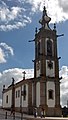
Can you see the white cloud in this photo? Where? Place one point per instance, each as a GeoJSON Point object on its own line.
{"type": "Point", "coordinates": [6, 76]}
{"type": "Point", "coordinates": [12, 14]}
{"type": "Point", "coordinates": [15, 25]}
{"type": "Point", "coordinates": [12, 17]}
{"type": "Point", "coordinates": [64, 85]}
{"type": "Point", "coordinates": [7, 48]}
{"type": "Point", "coordinates": [5, 51]}
{"type": "Point", "coordinates": [2, 56]}
{"type": "Point", "coordinates": [57, 9]}
{"type": "Point", "coordinates": [17, 74]}
{"type": "Point", "coordinates": [7, 14]}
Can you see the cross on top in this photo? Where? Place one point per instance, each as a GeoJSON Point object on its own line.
{"type": "Point", "coordinates": [24, 75]}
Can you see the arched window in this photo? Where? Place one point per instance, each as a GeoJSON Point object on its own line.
{"type": "Point", "coordinates": [49, 47]}
{"type": "Point", "coordinates": [7, 99]}
{"type": "Point", "coordinates": [38, 48]}
{"type": "Point", "coordinates": [24, 91]}
{"type": "Point", "coordinates": [50, 94]}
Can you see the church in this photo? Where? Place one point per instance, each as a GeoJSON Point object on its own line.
{"type": "Point", "coordinates": [42, 91]}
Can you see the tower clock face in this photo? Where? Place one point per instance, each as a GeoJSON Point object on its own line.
{"type": "Point", "coordinates": [50, 65]}
{"type": "Point", "coordinates": [50, 68]}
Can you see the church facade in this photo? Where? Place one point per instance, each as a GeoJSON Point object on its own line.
{"type": "Point", "coordinates": [42, 91]}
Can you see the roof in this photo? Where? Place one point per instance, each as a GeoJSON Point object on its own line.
{"type": "Point", "coordinates": [25, 81]}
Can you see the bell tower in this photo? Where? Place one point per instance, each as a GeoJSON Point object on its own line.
{"type": "Point", "coordinates": [46, 69]}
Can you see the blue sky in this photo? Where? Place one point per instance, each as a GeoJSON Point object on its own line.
{"type": "Point", "coordinates": [18, 20]}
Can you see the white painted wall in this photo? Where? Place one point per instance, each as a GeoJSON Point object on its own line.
{"type": "Point", "coordinates": [17, 100]}
{"type": "Point", "coordinates": [50, 72]}
{"type": "Point", "coordinates": [51, 102]}
{"type": "Point", "coordinates": [38, 68]}
{"type": "Point", "coordinates": [37, 94]}
{"type": "Point", "coordinates": [9, 93]}
{"type": "Point", "coordinates": [38, 73]}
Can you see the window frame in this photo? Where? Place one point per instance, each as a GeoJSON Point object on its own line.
{"type": "Point", "coordinates": [6, 98]}
{"type": "Point", "coordinates": [49, 44]}
{"type": "Point", "coordinates": [52, 46]}
{"type": "Point", "coordinates": [50, 94]}
{"type": "Point", "coordinates": [18, 93]}
{"type": "Point", "coordinates": [24, 91]}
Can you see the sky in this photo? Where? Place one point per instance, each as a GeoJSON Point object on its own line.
{"type": "Point", "coordinates": [18, 20]}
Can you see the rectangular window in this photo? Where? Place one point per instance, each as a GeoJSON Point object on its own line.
{"type": "Point", "coordinates": [18, 93]}
{"type": "Point", "coordinates": [49, 47]}
{"type": "Point", "coordinates": [24, 97]}
{"type": "Point", "coordinates": [50, 94]}
{"type": "Point", "coordinates": [7, 99]}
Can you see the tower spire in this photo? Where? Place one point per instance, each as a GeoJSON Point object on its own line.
{"type": "Point", "coordinates": [45, 18]}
